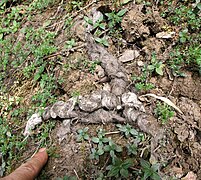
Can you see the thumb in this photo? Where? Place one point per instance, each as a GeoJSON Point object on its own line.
{"type": "Point", "coordinates": [30, 169]}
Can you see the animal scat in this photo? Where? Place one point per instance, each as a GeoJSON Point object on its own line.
{"type": "Point", "coordinates": [131, 114]}
{"type": "Point", "coordinates": [90, 103]}
{"type": "Point", "coordinates": [63, 109]}
{"type": "Point", "coordinates": [102, 116]}
{"type": "Point", "coordinates": [110, 101]}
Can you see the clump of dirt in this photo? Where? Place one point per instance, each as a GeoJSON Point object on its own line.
{"type": "Point", "coordinates": [188, 86]}
{"type": "Point", "coordinates": [139, 25]}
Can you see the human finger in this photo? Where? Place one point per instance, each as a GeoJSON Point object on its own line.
{"type": "Point", "coordinates": [30, 169]}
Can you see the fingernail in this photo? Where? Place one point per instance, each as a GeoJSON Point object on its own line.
{"type": "Point", "coordinates": [42, 149]}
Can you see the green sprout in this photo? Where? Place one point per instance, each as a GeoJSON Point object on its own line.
{"type": "Point", "coordinates": [149, 171]}
{"type": "Point", "coordinates": [127, 130]}
{"type": "Point", "coordinates": [119, 168]}
{"type": "Point", "coordinates": [82, 134]}
{"type": "Point", "coordinates": [163, 112]}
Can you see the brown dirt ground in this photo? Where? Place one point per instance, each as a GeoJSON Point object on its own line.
{"type": "Point", "coordinates": [180, 146]}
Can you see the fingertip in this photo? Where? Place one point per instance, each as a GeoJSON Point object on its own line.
{"type": "Point", "coordinates": [42, 150]}
{"type": "Point", "coordinates": [42, 155]}
{"type": "Point", "coordinates": [31, 168]}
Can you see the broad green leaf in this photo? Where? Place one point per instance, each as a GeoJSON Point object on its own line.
{"type": "Point", "coordinates": [88, 20]}
{"type": "Point", "coordinates": [8, 134]}
{"type": "Point", "coordinates": [127, 133]}
{"type": "Point", "coordinates": [134, 132]}
{"type": "Point", "coordinates": [37, 76]}
{"type": "Point", "coordinates": [101, 18]}
{"type": "Point", "coordinates": [93, 150]}
{"type": "Point", "coordinates": [98, 40]}
{"type": "Point", "coordinates": [112, 154]}
{"type": "Point", "coordinates": [95, 25]}
{"type": "Point", "coordinates": [124, 173]}
{"type": "Point", "coordinates": [105, 42]}
{"type": "Point", "coordinates": [122, 12]}
{"type": "Point", "coordinates": [85, 129]}
{"type": "Point", "coordinates": [145, 164]}
{"type": "Point", "coordinates": [155, 176]}
{"type": "Point", "coordinates": [199, 6]}
{"type": "Point", "coordinates": [41, 69]}
{"type": "Point", "coordinates": [79, 138]}
{"type": "Point", "coordinates": [127, 163]}
{"type": "Point", "coordinates": [102, 26]}
{"type": "Point", "coordinates": [118, 149]}
{"type": "Point", "coordinates": [114, 171]}
{"type": "Point", "coordinates": [105, 140]}
{"type": "Point", "coordinates": [100, 152]}
{"type": "Point", "coordinates": [109, 15]}
{"type": "Point", "coordinates": [123, 128]}
{"type": "Point", "coordinates": [109, 167]}
{"type": "Point", "coordinates": [155, 167]}
{"type": "Point", "coordinates": [185, 31]}
{"type": "Point", "coordinates": [150, 67]}
{"type": "Point", "coordinates": [119, 125]}
{"type": "Point", "coordinates": [79, 131]}
{"type": "Point", "coordinates": [182, 39]}
{"type": "Point", "coordinates": [95, 139]}
{"type": "Point", "coordinates": [147, 174]}
{"type": "Point", "coordinates": [117, 161]}
{"type": "Point", "coordinates": [107, 148]}
{"type": "Point", "coordinates": [159, 70]}
{"type": "Point", "coordinates": [86, 136]}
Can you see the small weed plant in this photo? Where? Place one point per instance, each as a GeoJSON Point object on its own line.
{"type": "Point", "coordinates": [120, 159]}
{"type": "Point", "coordinates": [108, 23]}
{"type": "Point", "coordinates": [163, 112]}
{"type": "Point", "coordinates": [83, 134]}
{"type": "Point", "coordinates": [156, 66]}
{"type": "Point", "coordinates": [141, 82]}
{"type": "Point", "coordinates": [70, 44]}
{"type": "Point", "coordinates": [41, 4]}
{"type": "Point", "coordinates": [132, 149]}
{"type": "Point", "coordinates": [115, 18]}
{"type": "Point", "coordinates": [186, 53]}
{"type": "Point", "coordinates": [102, 41]}
{"type": "Point", "coordinates": [119, 168]}
{"type": "Point", "coordinates": [112, 148]}
{"type": "Point", "coordinates": [127, 130]}
{"type": "Point", "coordinates": [149, 171]}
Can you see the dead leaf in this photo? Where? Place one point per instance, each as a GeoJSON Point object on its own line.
{"type": "Point", "coordinates": [125, 1]}
{"type": "Point", "coordinates": [166, 100]}
{"type": "Point", "coordinates": [190, 176]}
{"type": "Point", "coordinates": [165, 35]}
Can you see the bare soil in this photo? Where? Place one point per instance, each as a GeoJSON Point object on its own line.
{"type": "Point", "coordinates": [179, 144]}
